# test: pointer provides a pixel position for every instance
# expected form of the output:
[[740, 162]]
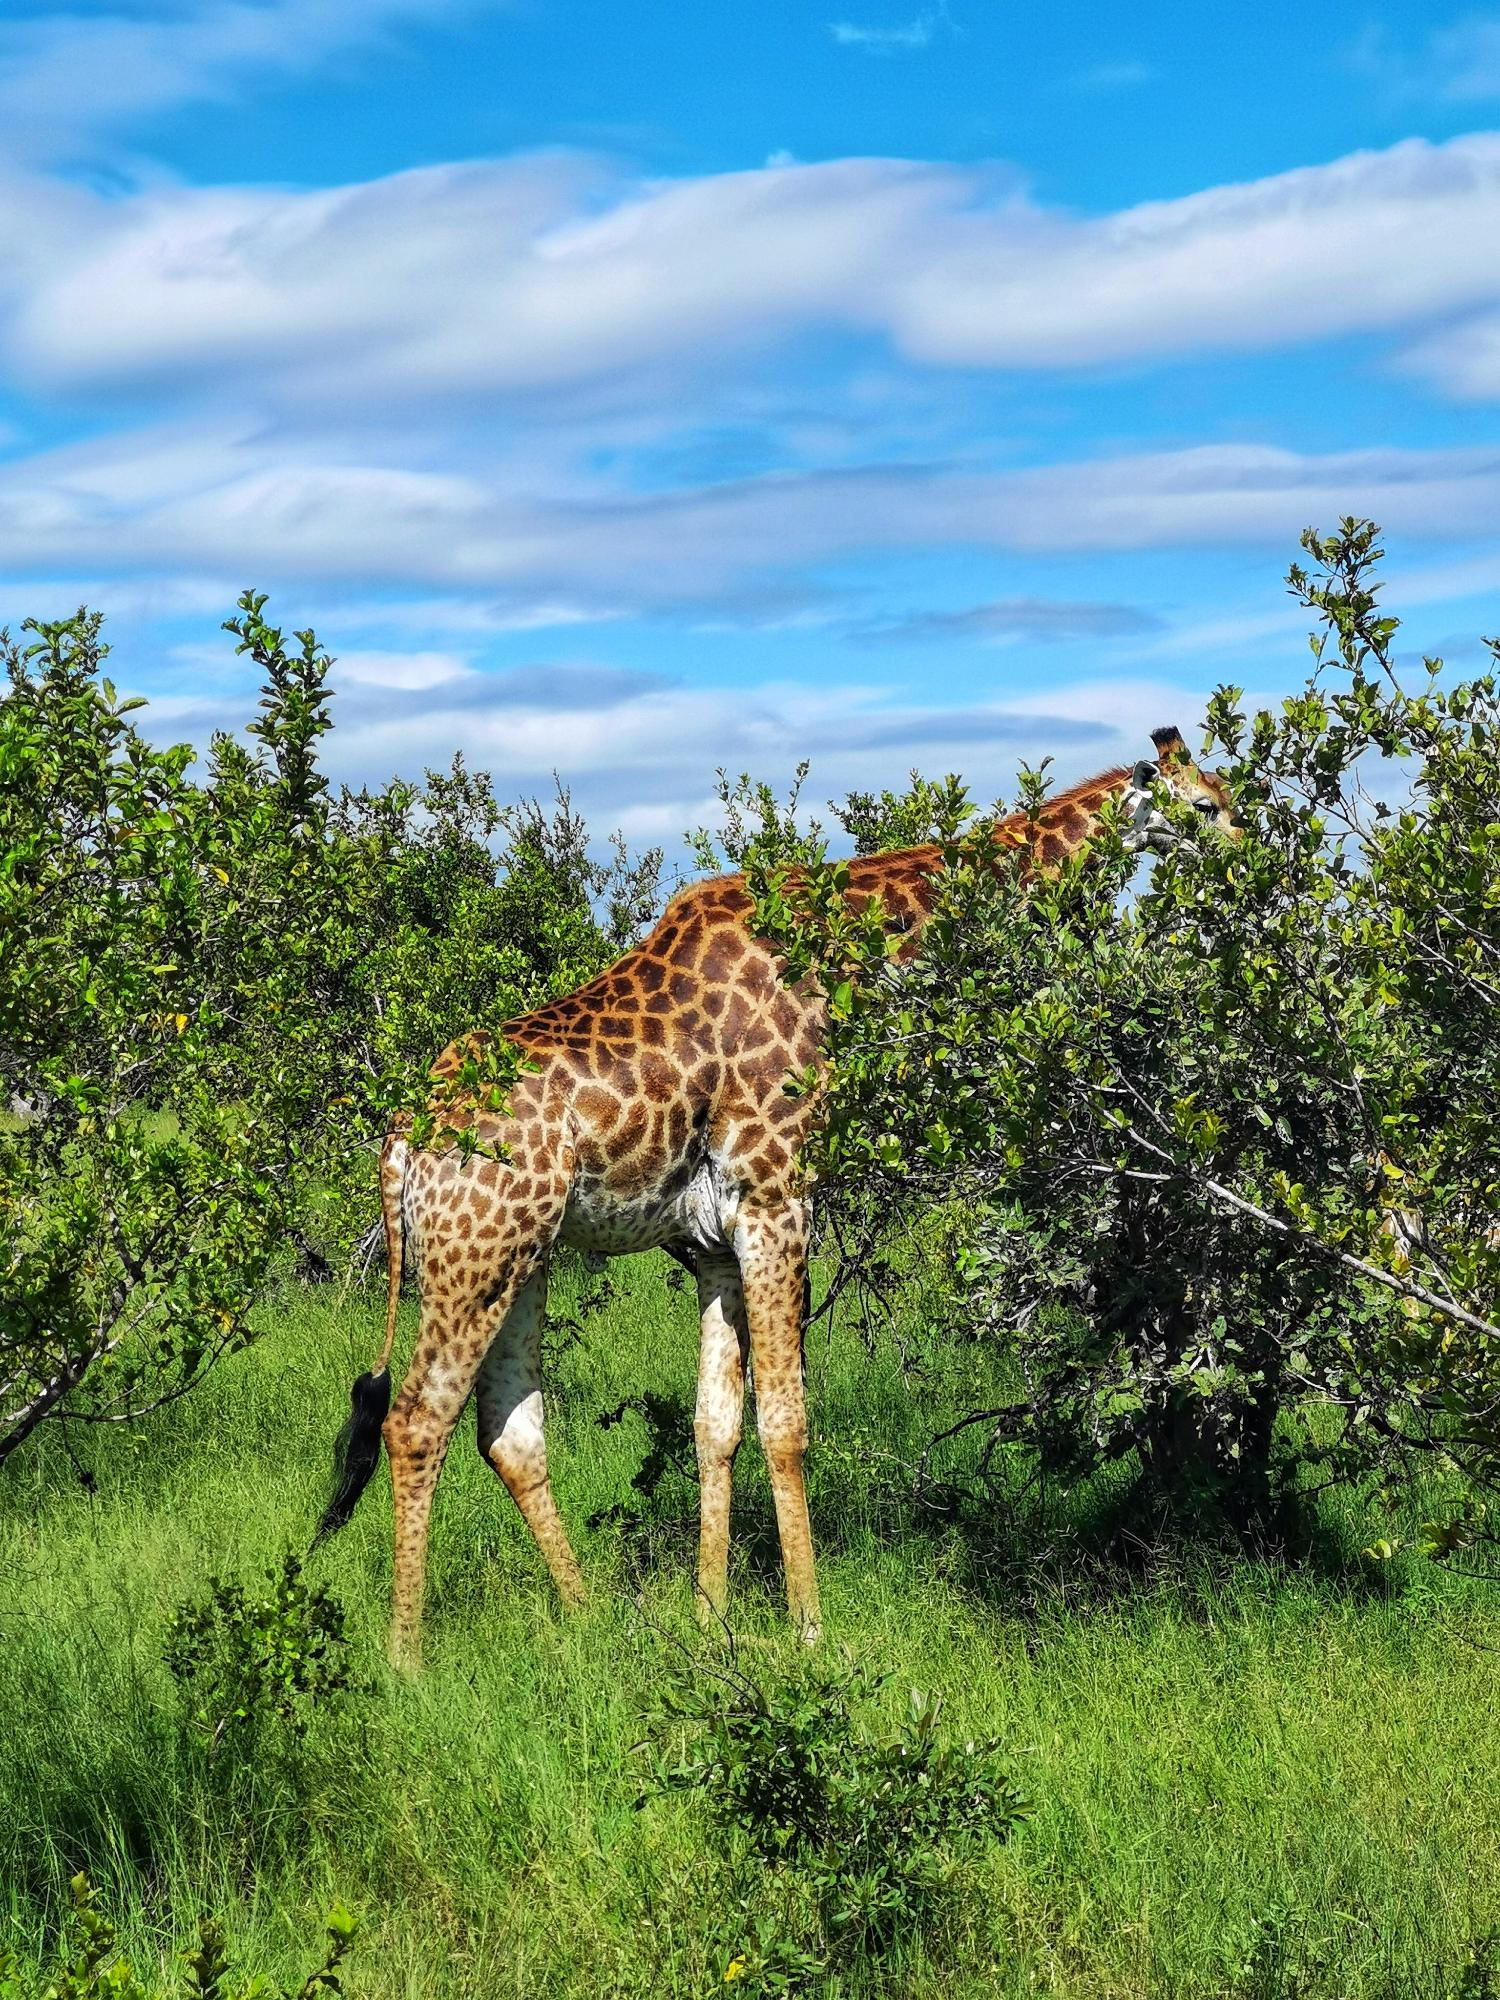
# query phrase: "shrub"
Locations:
[[246, 1658], [848, 1843], [89, 1968], [214, 993], [1228, 1145]]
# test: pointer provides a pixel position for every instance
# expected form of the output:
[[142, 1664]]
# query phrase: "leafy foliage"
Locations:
[[245, 1658], [90, 1967], [755, 829], [862, 1836], [213, 995], [668, 1454], [926, 810], [1229, 1146]]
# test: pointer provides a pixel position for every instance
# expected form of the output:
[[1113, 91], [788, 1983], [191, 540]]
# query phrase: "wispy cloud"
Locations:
[[1462, 360], [896, 39], [1009, 619], [1459, 62], [492, 410], [65, 73], [1100, 79], [622, 738], [1466, 58], [319, 510], [543, 274], [383, 669]]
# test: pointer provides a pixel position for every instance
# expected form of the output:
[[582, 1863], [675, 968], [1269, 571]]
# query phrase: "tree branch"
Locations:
[[1406, 1288]]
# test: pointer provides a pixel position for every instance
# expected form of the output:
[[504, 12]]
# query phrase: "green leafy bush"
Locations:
[[1227, 1146], [845, 1844], [214, 993], [1479, 1976], [247, 1657], [89, 1966]]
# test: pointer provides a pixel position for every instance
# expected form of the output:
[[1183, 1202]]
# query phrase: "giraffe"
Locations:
[[653, 1115]]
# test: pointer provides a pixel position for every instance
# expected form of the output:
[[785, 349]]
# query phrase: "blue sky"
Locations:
[[632, 390]]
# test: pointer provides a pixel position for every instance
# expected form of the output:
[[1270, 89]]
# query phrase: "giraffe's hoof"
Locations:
[[709, 1610], [572, 1593]]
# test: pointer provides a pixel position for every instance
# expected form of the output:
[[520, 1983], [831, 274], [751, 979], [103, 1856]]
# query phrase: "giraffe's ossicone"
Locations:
[[652, 1115]]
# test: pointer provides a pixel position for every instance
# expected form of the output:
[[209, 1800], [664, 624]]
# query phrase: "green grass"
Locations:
[[1217, 1752]]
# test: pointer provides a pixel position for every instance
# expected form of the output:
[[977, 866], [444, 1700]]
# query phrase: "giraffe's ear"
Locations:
[[1144, 776], [1169, 745]]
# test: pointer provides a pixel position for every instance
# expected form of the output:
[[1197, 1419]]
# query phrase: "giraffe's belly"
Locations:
[[699, 1210]]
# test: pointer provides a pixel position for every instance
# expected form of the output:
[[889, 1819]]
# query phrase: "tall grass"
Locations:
[[1247, 1777]]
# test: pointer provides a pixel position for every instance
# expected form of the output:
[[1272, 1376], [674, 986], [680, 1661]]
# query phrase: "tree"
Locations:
[[212, 996], [1228, 1147]]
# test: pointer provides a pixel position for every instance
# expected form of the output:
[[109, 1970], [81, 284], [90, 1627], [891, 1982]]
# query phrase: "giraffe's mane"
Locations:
[[1103, 781]]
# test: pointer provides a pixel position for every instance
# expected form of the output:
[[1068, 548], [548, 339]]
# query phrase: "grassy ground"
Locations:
[[1246, 1779]]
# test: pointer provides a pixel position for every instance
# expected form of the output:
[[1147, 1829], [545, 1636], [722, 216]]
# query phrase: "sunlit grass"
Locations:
[[1240, 1771]]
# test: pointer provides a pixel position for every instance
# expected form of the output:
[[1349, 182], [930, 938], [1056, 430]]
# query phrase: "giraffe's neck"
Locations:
[[1064, 824], [906, 878]]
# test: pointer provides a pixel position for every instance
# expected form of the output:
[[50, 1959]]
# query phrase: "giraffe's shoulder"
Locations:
[[715, 896]]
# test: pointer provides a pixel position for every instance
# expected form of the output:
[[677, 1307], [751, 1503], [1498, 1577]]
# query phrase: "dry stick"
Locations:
[[1405, 1288]]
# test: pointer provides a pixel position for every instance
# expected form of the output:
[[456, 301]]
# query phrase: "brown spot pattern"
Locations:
[[662, 1075]]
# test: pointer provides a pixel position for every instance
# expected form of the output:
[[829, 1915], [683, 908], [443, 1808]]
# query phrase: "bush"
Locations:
[[246, 1658], [1229, 1146], [848, 1844], [89, 1968], [213, 995]]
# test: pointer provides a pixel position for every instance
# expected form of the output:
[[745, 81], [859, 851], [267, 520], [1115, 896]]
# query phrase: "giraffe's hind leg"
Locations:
[[719, 1420], [418, 1431], [456, 1333], [511, 1435]]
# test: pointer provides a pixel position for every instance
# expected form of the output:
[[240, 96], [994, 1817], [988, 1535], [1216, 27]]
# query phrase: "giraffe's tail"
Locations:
[[356, 1452]]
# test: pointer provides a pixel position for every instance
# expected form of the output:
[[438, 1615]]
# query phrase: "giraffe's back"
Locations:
[[661, 1079], [659, 1084]]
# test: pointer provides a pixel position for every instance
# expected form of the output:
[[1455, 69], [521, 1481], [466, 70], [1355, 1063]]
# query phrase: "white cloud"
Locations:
[[1463, 360], [68, 73], [1459, 62], [543, 273], [1284, 259], [473, 618], [916, 33], [1226, 633], [516, 274], [125, 598], [1248, 626], [501, 397], [406, 671], [621, 740], [257, 507], [1125, 709], [1445, 582]]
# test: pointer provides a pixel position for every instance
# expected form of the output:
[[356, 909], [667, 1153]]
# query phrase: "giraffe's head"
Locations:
[[1204, 791]]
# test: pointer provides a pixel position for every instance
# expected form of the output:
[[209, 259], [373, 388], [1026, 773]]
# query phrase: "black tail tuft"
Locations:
[[357, 1452]]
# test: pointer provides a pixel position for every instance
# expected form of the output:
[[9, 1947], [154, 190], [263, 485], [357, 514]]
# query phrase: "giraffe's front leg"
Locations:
[[771, 1245], [718, 1421]]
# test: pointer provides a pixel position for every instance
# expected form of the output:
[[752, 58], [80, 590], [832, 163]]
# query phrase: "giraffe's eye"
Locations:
[[1205, 805]]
